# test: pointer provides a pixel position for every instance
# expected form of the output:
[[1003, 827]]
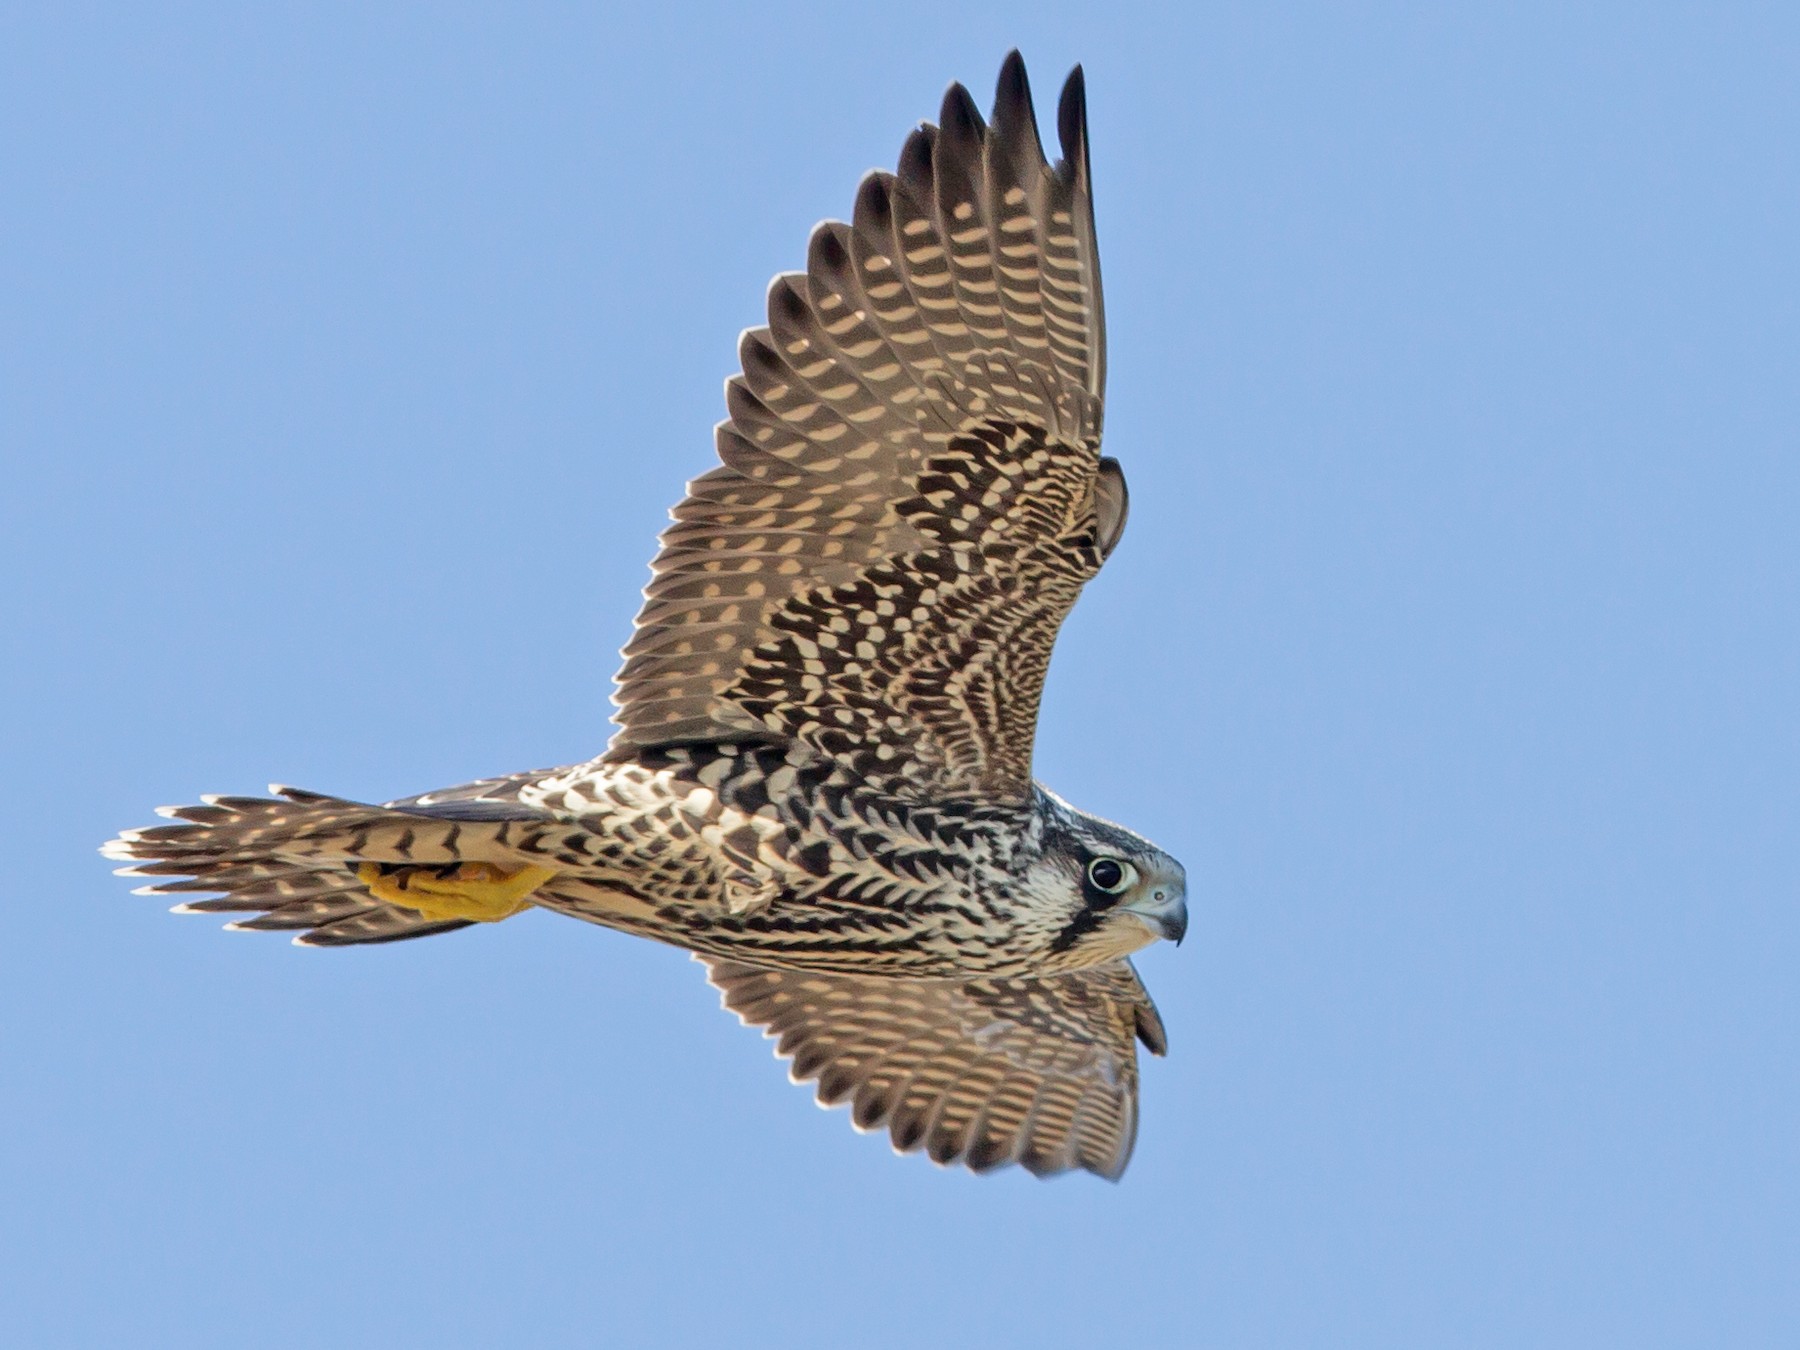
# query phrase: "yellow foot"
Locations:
[[475, 890]]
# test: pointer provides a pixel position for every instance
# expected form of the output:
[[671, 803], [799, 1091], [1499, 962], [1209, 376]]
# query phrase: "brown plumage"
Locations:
[[821, 782]]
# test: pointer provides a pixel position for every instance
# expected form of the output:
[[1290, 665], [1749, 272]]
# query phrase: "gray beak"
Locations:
[[1164, 911]]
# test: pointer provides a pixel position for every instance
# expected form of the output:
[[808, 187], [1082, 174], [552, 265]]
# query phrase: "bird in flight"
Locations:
[[820, 783]]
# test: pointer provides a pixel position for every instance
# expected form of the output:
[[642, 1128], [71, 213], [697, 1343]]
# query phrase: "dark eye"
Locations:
[[1109, 875]]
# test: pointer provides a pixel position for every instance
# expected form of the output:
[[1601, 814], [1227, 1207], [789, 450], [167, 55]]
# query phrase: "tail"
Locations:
[[303, 862]]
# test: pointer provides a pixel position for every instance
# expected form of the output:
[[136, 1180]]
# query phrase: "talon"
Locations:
[[478, 891]]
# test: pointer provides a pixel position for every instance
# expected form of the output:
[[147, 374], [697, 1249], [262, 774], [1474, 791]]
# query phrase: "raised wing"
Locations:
[[911, 493], [1039, 1072]]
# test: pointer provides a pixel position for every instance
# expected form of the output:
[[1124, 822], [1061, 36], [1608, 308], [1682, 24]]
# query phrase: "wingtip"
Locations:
[[916, 157], [828, 249], [1071, 120], [874, 209], [1015, 118], [1148, 1025], [1013, 87], [959, 117]]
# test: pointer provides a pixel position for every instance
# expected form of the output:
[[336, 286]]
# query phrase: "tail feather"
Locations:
[[289, 862], [326, 909]]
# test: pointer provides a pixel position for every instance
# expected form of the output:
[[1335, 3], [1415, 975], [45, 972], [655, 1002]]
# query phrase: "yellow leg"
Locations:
[[478, 890]]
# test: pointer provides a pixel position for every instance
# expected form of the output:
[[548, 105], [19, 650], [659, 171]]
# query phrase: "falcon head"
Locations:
[[1102, 891]]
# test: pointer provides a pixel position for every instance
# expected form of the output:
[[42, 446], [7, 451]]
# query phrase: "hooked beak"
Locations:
[[1163, 911]]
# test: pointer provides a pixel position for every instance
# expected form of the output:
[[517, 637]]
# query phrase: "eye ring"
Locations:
[[1109, 876]]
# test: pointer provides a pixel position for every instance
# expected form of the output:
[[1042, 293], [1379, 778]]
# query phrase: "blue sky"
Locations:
[[351, 358]]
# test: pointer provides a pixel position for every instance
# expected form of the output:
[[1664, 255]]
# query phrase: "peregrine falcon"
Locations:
[[820, 784]]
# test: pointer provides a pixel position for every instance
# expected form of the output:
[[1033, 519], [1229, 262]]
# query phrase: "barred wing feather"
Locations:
[[910, 494], [1040, 1072]]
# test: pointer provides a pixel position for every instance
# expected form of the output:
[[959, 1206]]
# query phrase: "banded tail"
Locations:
[[329, 870]]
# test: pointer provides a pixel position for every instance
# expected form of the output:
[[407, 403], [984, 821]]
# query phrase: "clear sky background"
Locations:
[[352, 355]]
